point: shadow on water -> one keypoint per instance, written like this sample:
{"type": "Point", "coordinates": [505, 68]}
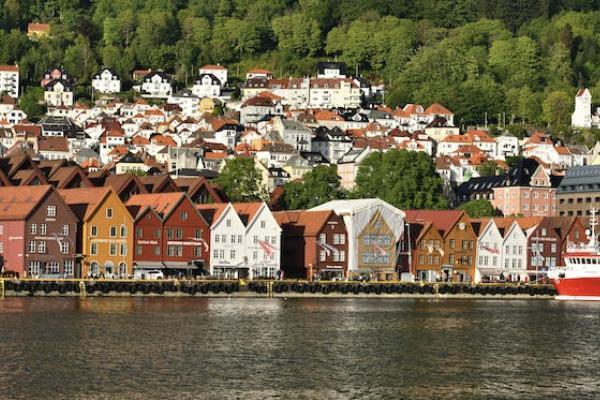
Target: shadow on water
{"type": "Point", "coordinates": [178, 348]}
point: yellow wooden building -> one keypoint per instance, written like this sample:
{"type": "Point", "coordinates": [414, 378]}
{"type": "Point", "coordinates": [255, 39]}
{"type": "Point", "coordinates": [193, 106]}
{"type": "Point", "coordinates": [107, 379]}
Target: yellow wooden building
{"type": "Point", "coordinates": [105, 239]}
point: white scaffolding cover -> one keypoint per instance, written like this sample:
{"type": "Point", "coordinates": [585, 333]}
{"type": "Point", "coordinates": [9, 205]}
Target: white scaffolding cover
{"type": "Point", "coordinates": [357, 214]}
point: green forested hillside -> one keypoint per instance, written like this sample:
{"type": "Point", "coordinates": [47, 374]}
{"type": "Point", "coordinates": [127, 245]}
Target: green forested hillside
{"type": "Point", "coordinates": [522, 59]}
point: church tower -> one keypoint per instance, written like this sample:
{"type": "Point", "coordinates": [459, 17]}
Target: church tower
{"type": "Point", "coordinates": [582, 116]}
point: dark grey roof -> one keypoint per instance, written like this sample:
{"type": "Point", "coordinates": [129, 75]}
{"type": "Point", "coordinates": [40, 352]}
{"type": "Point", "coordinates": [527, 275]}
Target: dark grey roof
{"type": "Point", "coordinates": [213, 79]}
{"type": "Point", "coordinates": [322, 66]}
{"type": "Point", "coordinates": [581, 179]}
{"type": "Point", "coordinates": [50, 85]}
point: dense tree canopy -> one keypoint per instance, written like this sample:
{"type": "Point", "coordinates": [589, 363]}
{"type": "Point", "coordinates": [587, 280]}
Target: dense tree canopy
{"type": "Point", "coordinates": [318, 186]}
{"type": "Point", "coordinates": [241, 181]}
{"type": "Point", "coordinates": [479, 208]}
{"type": "Point", "coordinates": [480, 58]}
{"type": "Point", "coordinates": [404, 179]}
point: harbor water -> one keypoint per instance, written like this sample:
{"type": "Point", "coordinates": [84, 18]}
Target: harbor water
{"type": "Point", "coordinates": [198, 348]}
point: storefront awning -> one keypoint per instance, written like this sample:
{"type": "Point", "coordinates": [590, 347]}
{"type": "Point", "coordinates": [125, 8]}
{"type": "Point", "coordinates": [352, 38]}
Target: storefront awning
{"type": "Point", "coordinates": [149, 265]}
{"type": "Point", "coordinates": [179, 265]}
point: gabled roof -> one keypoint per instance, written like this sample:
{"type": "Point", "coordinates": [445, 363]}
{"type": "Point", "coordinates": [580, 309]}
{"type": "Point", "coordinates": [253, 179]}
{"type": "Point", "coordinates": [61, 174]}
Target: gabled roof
{"type": "Point", "coordinates": [162, 203]}
{"type": "Point", "coordinates": [193, 185]}
{"type": "Point", "coordinates": [443, 220]}
{"type": "Point", "coordinates": [17, 203]}
{"type": "Point", "coordinates": [120, 182]}
{"type": "Point", "coordinates": [303, 223]}
{"type": "Point", "coordinates": [158, 183]}
{"type": "Point", "coordinates": [247, 211]}
{"type": "Point", "coordinates": [64, 176]}
{"type": "Point", "coordinates": [212, 212]}
{"type": "Point", "coordinates": [84, 201]}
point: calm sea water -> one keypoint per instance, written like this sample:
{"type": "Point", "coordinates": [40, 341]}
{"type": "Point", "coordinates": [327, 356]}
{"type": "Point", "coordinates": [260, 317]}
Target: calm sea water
{"type": "Point", "coordinates": [298, 349]}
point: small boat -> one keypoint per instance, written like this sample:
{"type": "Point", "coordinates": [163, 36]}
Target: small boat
{"type": "Point", "coordinates": [579, 279]}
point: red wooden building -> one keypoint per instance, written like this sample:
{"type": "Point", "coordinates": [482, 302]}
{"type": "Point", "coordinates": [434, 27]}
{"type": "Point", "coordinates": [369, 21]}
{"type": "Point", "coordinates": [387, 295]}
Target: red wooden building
{"type": "Point", "coordinates": [314, 244]}
{"type": "Point", "coordinates": [184, 235]}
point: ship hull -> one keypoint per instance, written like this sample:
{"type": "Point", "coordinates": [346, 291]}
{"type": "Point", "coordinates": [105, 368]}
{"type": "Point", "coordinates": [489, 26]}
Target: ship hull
{"type": "Point", "coordinates": [577, 288]}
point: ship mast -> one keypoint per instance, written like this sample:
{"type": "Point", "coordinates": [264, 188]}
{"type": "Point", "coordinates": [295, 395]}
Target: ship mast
{"type": "Point", "coordinates": [593, 223]}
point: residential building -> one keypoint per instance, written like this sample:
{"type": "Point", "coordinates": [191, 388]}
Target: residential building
{"type": "Point", "coordinates": [58, 92]}
{"type": "Point", "coordinates": [206, 85]}
{"type": "Point", "coordinates": [293, 133]}
{"type": "Point", "coordinates": [527, 194]}
{"type": "Point", "coordinates": [157, 85]}
{"type": "Point", "coordinates": [218, 71]}
{"type": "Point", "coordinates": [105, 231]}
{"type": "Point", "coordinates": [9, 80]}
{"type": "Point", "coordinates": [579, 191]}
{"type": "Point", "coordinates": [314, 245]}
{"type": "Point", "coordinates": [106, 81]}
{"type": "Point", "coordinates": [332, 144]}
{"type": "Point", "coordinates": [37, 233]}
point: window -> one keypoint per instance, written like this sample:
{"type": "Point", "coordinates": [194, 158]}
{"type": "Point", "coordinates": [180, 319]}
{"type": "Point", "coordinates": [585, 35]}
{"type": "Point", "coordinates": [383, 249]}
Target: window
{"type": "Point", "coordinates": [228, 223]}
{"type": "Point", "coordinates": [233, 238]}
{"type": "Point", "coordinates": [94, 231]}
{"type": "Point", "coordinates": [139, 232]}
{"type": "Point", "coordinates": [69, 267]}
{"type": "Point", "coordinates": [34, 268]}
{"type": "Point", "coordinates": [64, 247]}
{"type": "Point", "coordinates": [255, 255]}
{"type": "Point", "coordinates": [53, 267]}
{"type": "Point", "coordinates": [113, 249]}
{"type": "Point", "coordinates": [263, 224]}
{"type": "Point", "coordinates": [42, 247]}
{"type": "Point", "coordinates": [342, 255]}
{"type": "Point", "coordinates": [255, 239]}
{"type": "Point", "coordinates": [197, 251]}
{"type": "Point", "coordinates": [322, 255]}
{"type": "Point", "coordinates": [323, 238]}
{"type": "Point", "coordinates": [543, 231]}
{"type": "Point", "coordinates": [169, 233]}
{"type": "Point", "coordinates": [198, 233]}
{"type": "Point", "coordinates": [138, 250]}
{"type": "Point", "coordinates": [216, 253]}
{"type": "Point", "coordinates": [51, 211]}
{"type": "Point", "coordinates": [31, 248]}
{"type": "Point", "coordinates": [123, 249]}
{"type": "Point", "coordinates": [232, 254]}
{"type": "Point", "coordinates": [123, 231]}
{"type": "Point", "coordinates": [43, 229]}
{"type": "Point", "coordinates": [33, 229]}
{"type": "Point", "coordinates": [184, 215]}
{"type": "Point", "coordinates": [553, 247]}
{"type": "Point", "coordinates": [157, 232]}
{"type": "Point", "coordinates": [224, 238]}
{"type": "Point", "coordinates": [94, 249]}
{"type": "Point", "coordinates": [217, 238]}
{"type": "Point", "coordinates": [65, 230]}
{"type": "Point", "coordinates": [157, 250]}
{"type": "Point", "coordinates": [452, 243]}
{"type": "Point", "coordinates": [109, 213]}
{"type": "Point", "coordinates": [113, 231]}
{"type": "Point", "coordinates": [239, 238]}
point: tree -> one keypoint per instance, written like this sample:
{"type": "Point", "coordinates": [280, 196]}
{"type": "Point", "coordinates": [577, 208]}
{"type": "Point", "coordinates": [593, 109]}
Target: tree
{"type": "Point", "coordinates": [478, 208]}
{"type": "Point", "coordinates": [489, 168]}
{"type": "Point", "coordinates": [318, 186]}
{"type": "Point", "coordinates": [297, 34]}
{"type": "Point", "coordinates": [558, 107]}
{"type": "Point", "coordinates": [241, 181]}
{"type": "Point", "coordinates": [402, 178]}
{"type": "Point", "coordinates": [31, 102]}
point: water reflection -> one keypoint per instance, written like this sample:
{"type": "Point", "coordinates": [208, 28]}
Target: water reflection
{"type": "Point", "coordinates": [156, 348]}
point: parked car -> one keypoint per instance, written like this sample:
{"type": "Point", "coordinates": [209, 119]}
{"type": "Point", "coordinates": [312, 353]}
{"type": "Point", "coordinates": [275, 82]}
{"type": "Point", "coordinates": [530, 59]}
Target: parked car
{"type": "Point", "coordinates": [149, 274]}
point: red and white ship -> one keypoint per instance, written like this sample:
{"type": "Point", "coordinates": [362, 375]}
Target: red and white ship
{"type": "Point", "coordinates": [580, 278]}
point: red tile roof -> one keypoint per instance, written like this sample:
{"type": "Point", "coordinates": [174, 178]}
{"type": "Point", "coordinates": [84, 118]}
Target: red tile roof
{"type": "Point", "coordinates": [88, 197]}
{"type": "Point", "coordinates": [311, 221]}
{"type": "Point", "coordinates": [18, 202]}
{"type": "Point", "coordinates": [161, 203]}
{"type": "Point", "coordinates": [443, 220]}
